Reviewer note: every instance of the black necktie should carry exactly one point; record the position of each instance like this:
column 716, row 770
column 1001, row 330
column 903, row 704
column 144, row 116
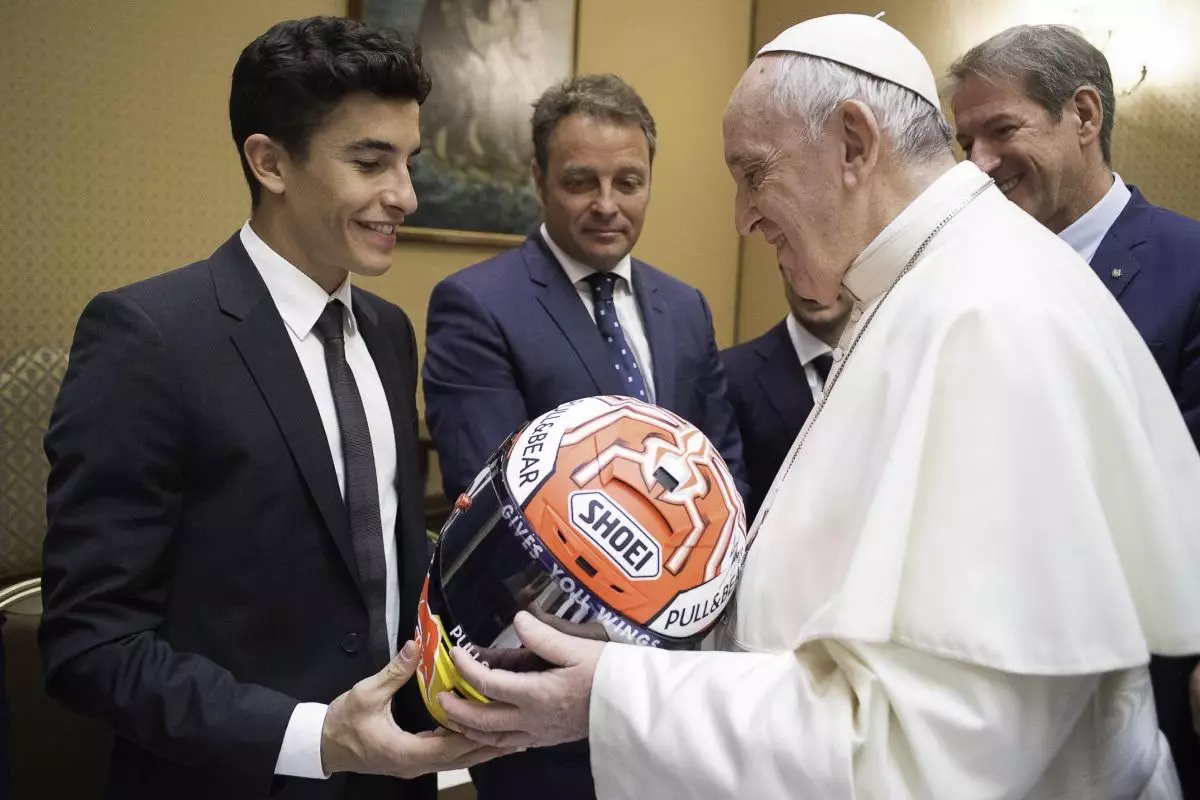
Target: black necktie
column 362, row 488
column 822, row 364
column 618, row 347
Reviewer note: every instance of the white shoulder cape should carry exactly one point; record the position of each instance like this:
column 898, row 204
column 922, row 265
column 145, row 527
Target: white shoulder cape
column 1000, row 474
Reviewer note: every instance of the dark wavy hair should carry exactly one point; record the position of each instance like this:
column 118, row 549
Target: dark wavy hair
column 290, row 78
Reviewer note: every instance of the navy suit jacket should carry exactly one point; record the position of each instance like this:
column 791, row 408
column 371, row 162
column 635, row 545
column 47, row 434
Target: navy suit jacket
column 509, row 339
column 771, row 399
column 199, row 575
column 1150, row 259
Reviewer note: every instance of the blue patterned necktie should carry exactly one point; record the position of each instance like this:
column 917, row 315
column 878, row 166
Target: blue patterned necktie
column 614, row 338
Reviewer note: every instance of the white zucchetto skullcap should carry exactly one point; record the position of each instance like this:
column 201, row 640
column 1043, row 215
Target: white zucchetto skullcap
column 865, row 43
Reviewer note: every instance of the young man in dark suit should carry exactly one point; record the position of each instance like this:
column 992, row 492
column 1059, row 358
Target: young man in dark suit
column 569, row 314
column 774, row 381
column 236, row 541
column 1034, row 107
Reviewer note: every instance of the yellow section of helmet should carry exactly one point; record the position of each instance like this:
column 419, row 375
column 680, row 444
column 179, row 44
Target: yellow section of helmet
column 444, row 677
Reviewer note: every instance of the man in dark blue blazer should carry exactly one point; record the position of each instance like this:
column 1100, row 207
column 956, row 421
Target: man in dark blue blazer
column 1034, row 107
column 236, row 540
column 774, row 381
column 566, row 315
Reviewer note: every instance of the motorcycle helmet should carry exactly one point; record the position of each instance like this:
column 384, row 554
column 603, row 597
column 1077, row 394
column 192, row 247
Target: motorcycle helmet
column 607, row 517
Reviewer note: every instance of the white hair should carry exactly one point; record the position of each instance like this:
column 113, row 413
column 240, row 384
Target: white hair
column 810, row 89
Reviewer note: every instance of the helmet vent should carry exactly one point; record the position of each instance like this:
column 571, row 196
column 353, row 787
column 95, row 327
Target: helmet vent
column 669, row 481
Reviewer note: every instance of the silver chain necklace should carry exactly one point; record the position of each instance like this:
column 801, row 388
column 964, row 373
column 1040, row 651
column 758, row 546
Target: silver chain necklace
column 831, row 382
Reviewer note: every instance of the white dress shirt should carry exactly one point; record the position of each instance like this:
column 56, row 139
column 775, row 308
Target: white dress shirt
column 808, row 348
column 628, row 313
column 1085, row 234
column 300, row 302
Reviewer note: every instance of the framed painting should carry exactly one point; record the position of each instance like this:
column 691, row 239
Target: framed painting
column 489, row 60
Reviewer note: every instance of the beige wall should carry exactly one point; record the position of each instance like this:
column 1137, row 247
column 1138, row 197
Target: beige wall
column 1156, row 143
column 117, row 162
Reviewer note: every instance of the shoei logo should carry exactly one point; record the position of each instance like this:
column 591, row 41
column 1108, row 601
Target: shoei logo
column 686, row 466
column 636, row 552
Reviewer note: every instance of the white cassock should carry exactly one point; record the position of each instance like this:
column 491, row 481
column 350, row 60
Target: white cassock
column 957, row 582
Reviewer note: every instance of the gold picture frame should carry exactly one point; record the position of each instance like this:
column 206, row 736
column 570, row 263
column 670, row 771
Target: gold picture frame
column 489, row 60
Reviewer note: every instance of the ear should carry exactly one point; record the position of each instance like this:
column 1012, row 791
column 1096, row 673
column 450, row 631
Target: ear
column 539, row 182
column 265, row 157
column 860, row 141
column 1090, row 111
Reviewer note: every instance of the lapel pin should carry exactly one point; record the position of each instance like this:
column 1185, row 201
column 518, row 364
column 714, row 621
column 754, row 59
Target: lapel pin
column 1116, row 273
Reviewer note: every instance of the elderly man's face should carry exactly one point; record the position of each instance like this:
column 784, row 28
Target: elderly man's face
column 789, row 190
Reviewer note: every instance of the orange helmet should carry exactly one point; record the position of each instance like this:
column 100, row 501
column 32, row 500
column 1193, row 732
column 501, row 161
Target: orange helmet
column 607, row 517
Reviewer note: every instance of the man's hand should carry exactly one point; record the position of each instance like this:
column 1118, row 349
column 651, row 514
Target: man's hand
column 529, row 709
column 360, row 734
column 1195, row 695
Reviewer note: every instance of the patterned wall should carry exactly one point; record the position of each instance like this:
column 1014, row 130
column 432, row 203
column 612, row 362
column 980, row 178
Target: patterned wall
column 116, row 165
column 117, row 162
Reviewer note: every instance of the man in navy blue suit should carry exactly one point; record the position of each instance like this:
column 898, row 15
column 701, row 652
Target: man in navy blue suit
column 1034, row 107
column 569, row 314
column 775, row 379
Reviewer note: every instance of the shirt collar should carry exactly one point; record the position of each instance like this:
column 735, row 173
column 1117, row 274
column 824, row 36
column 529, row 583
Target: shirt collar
column 298, row 297
column 1085, row 234
column 878, row 266
column 577, row 271
column 807, row 346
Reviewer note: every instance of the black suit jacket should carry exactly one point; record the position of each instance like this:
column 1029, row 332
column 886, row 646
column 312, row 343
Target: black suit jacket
column 771, row 398
column 199, row 575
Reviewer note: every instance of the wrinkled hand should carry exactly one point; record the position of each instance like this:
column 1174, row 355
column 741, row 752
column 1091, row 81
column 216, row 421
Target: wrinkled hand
column 1195, row 694
column 360, row 734
column 528, row 709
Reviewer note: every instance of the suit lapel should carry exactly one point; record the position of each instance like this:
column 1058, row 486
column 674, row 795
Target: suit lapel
column 660, row 333
column 263, row 342
column 782, row 377
column 562, row 303
column 1114, row 262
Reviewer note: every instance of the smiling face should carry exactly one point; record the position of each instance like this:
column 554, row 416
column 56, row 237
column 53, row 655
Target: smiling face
column 1037, row 162
column 596, row 188
column 792, row 191
column 335, row 208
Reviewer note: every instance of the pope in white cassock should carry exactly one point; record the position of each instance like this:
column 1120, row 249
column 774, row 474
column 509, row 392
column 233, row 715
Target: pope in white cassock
column 980, row 535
